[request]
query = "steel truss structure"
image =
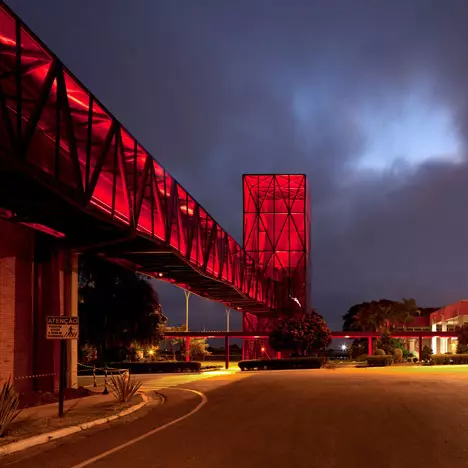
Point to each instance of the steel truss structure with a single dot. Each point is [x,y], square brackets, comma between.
[69,168]
[277,236]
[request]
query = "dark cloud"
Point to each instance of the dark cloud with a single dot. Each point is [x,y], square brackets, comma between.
[215,89]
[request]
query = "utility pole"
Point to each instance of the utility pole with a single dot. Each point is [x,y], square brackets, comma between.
[187,297]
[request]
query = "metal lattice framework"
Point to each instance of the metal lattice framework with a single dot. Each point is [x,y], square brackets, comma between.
[276,235]
[68,167]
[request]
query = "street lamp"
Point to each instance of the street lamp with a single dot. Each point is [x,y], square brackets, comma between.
[344,347]
[228,313]
[187,297]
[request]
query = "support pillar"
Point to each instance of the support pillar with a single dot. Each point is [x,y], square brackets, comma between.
[434,339]
[36,280]
[55,293]
[16,305]
[444,340]
[226,347]
[187,349]
[420,347]
[70,308]
[369,346]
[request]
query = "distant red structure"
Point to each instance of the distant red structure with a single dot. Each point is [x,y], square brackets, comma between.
[277,237]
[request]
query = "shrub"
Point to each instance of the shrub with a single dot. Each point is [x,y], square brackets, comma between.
[362,358]
[124,387]
[212,368]
[288,363]
[426,353]
[158,366]
[447,359]
[379,352]
[379,361]
[397,355]
[9,401]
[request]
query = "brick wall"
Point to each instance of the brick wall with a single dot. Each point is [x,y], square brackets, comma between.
[34,279]
[16,302]
[7,316]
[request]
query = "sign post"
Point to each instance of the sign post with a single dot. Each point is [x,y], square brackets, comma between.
[62,328]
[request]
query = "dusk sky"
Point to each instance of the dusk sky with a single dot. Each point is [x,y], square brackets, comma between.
[369,98]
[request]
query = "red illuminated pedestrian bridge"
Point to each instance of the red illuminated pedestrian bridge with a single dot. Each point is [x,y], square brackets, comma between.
[70,171]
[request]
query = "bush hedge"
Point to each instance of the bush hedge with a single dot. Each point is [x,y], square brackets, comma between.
[157,366]
[379,361]
[288,363]
[447,359]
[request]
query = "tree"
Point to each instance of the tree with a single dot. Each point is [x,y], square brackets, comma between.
[198,346]
[380,316]
[173,343]
[462,335]
[389,344]
[302,335]
[199,349]
[404,312]
[116,307]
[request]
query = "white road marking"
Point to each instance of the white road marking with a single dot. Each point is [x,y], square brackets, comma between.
[148,434]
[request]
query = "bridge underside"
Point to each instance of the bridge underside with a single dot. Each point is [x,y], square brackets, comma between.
[27,201]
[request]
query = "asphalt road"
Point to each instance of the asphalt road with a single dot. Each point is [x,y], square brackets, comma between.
[319,418]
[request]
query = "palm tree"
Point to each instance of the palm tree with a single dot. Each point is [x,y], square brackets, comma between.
[404,312]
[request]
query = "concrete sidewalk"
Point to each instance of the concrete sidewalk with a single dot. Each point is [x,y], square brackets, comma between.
[44,419]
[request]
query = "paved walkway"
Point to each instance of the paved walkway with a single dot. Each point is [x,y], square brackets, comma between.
[40,419]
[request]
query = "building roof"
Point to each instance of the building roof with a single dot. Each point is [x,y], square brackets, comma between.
[450,311]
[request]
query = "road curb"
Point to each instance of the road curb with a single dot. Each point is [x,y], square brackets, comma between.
[66,431]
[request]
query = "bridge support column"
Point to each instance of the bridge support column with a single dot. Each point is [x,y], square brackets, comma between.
[369,346]
[35,281]
[70,308]
[16,305]
[226,347]
[55,293]
[187,349]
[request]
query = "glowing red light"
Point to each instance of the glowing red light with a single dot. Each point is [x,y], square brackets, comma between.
[186,209]
[45,229]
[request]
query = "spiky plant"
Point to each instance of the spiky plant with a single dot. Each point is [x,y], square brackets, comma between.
[124,387]
[9,401]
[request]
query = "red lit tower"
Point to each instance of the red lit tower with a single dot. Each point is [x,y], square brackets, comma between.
[277,236]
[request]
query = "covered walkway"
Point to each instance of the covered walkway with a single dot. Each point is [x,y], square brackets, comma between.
[419,335]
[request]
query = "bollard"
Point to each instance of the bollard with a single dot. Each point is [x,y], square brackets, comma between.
[94,376]
[105,392]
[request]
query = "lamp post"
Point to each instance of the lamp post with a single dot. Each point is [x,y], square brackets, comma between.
[187,297]
[228,315]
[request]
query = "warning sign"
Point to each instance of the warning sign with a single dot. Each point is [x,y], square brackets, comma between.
[62,328]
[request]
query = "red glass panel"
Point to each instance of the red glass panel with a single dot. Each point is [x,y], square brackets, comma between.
[110,194]
[7,63]
[42,152]
[78,103]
